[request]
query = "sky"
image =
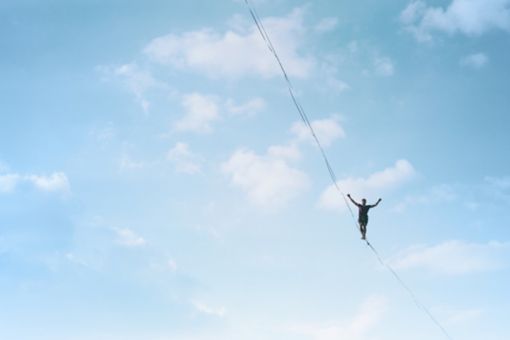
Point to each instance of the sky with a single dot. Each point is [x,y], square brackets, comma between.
[156,181]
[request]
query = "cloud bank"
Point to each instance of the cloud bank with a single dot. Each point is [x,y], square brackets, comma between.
[268,180]
[374,184]
[467,17]
[453,257]
[236,53]
[56,182]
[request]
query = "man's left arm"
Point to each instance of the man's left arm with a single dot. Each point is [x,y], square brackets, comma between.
[376,203]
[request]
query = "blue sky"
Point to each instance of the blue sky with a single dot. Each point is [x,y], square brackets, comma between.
[156,181]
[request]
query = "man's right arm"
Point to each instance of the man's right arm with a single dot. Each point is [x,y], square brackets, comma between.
[353,201]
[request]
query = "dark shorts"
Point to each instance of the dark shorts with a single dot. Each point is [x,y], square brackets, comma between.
[363,220]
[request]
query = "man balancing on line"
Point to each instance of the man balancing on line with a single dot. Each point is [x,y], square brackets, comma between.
[363,214]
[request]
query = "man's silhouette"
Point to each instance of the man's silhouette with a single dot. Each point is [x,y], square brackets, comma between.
[363,214]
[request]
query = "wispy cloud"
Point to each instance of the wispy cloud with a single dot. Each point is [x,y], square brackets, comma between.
[326,25]
[200,112]
[327,130]
[104,134]
[453,257]
[203,308]
[290,152]
[458,316]
[468,17]
[373,61]
[501,183]
[184,159]
[128,238]
[329,73]
[336,85]
[374,184]
[56,182]
[369,314]
[498,188]
[74,259]
[384,66]
[136,79]
[235,53]
[475,60]
[165,266]
[126,162]
[247,108]
[437,194]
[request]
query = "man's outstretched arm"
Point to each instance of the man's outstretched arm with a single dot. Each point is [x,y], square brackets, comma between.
[376,203]
[353,201]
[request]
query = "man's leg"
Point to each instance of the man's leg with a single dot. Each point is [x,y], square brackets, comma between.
[363,228]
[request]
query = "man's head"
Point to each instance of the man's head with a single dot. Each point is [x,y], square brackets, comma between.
[364,201]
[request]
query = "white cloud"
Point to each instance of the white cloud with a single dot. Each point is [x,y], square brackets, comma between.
[55,182]
[358,328]
[137,80]
[8,182]
[200,112]
[290,152]
[184,160]
[269,181]
[208,310]
[373,185]
[248,108]
[327,131]
[453,257]
[369,58]
[384,67]
[127,163]
[72,258]
[469,17]
[328,73]
[413,12]
[236,53]
[476,60]
[128,238]
[336,84]
[326,25]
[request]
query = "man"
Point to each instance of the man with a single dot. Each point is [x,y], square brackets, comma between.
[363,214]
